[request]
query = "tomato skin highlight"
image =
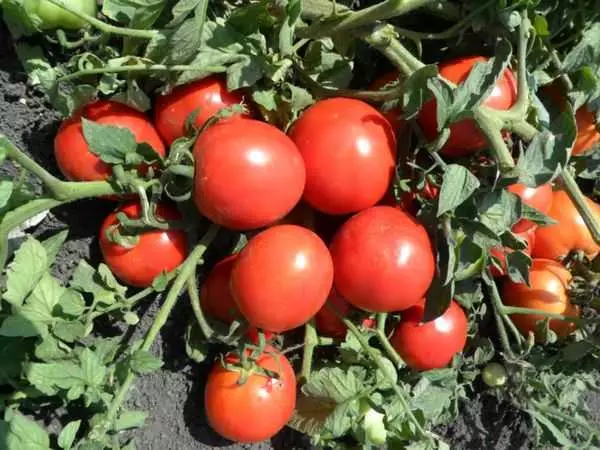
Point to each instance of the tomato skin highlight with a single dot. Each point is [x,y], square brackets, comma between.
[207,96]
[539,198]
[156,251]
[282,278]
[72,153]
[465,137]
[329,324]
[349,150]
[248,174]
[215,296]
[548,291]
[500,252]
[383,260]
[255,410]
[570,233]
[430,345]
[53,16]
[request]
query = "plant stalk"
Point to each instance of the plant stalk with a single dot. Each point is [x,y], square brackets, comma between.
[385,343]
[311,341]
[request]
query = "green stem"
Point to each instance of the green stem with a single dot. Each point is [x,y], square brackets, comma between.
[523,128]
[103,26]
[130,302]
[581,203]
[139,68]
[519,109]
[311,340]
[185,272]
[537,312]
[491,127]
[356,19]
[192,289]
[444,10]
[564,77]
[569,418]
[384,341]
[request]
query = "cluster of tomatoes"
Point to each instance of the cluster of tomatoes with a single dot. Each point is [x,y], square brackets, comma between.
[338,159]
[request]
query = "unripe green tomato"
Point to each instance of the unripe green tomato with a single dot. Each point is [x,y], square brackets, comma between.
[494,375]
[374,426]
[53,16]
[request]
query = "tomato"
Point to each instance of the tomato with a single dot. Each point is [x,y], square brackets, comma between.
[248,174]
[206,97]
[548,291]
[329,324]
[494,375]
[383,260]
[539,198]
[215,296]
[72,153]
[465,137]
[569,234]
[394,115]
[282,278]
[349,150]
[409,200]
[430,345]
[256,409]
[157,251]
[53,16]
[500,252]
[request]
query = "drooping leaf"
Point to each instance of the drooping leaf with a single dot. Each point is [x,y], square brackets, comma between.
[518,265]
[586,52]
[29,265]
[111,143]
[458,185]
[130,419]
[25,434]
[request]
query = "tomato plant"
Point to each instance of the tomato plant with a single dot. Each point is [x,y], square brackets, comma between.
[568,234]
[248,174]
[499,252]
[465,138]
[349,150]
[137,264]
[547,292]
[383,260]
[430,345]
[52,16]
[204,98]
[282,278]
[539,198]
[245,405]
[72,152]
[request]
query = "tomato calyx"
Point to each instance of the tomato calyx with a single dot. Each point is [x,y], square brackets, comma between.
[246,363]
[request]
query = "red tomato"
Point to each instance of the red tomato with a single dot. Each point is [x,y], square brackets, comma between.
[539,198]
[569,234]
[157,251]
[548,291]
[430,345]
[409,200]
[465,137]
[383,260]
[329,324]
[394,115]
[73,156]
[500,252]
[349,150]
[215,297]
[255,410]
[207,96]
[282,278]
[248,174]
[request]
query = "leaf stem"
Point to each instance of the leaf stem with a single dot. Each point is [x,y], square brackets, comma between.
[581,203]
[518,310]
[384,341]
[192,289]
[491,127]
[311,341]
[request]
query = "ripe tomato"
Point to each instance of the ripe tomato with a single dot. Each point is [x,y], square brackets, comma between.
[329,324]
[248,174]
[430,345]
[206,97]
[349,150]
[539,198]
[465,138]
[500,252]
[52,16]
[383,260]
[548,291]
[570,233]
[157,251]
[282,278]
[215,296]
[256,409]
[71,150]
[394,115]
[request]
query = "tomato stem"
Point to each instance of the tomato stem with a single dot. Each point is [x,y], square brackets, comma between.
[186,270]
[580,202]
[311,340]
[385,342]
[537,312]
[192,289]
[491,126]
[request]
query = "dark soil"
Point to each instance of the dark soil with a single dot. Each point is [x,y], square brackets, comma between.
[174,395]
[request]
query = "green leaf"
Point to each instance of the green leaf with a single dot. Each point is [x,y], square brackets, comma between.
[196,346]
[25,434]
[39,306]
[430,399]
[53,244]
[51,349]
[110,143]
[555,434]
[185,41]
[416,93]
[134,96]
[532,214]
[143,361]
[13,353]
[49,378]
[468,293]
[310,414]
[92,368]
[19,20]
[458,185]
[518,265]
[130,419]
[18,326]
[102,286]
[586,52]
[70,331]
[6,189]
[499,210]
[71,303]
[182,10]
[471,259]
[28,266]
[68,434]
[293,10]
[541,25]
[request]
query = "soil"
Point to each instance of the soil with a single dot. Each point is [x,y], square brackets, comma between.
[174,394]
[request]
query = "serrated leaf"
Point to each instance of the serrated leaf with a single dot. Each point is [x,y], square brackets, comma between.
[86,279]
[416,92]
[27,268]
[310,414]
[110,143]
[92,369]
[39,306]
[49,378]
[556,435]
[518,265]
[13,352]
[468,293]
[457,186]
[499,210]
[185,41]
[70,331]
[18,326]
[50,349]
[130,419]
[53,244]
[143,361]
[68,434]
[293,10]
[71,303]
[586,52]
[25,434]
[182,9]
[335,383]
[6,189]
